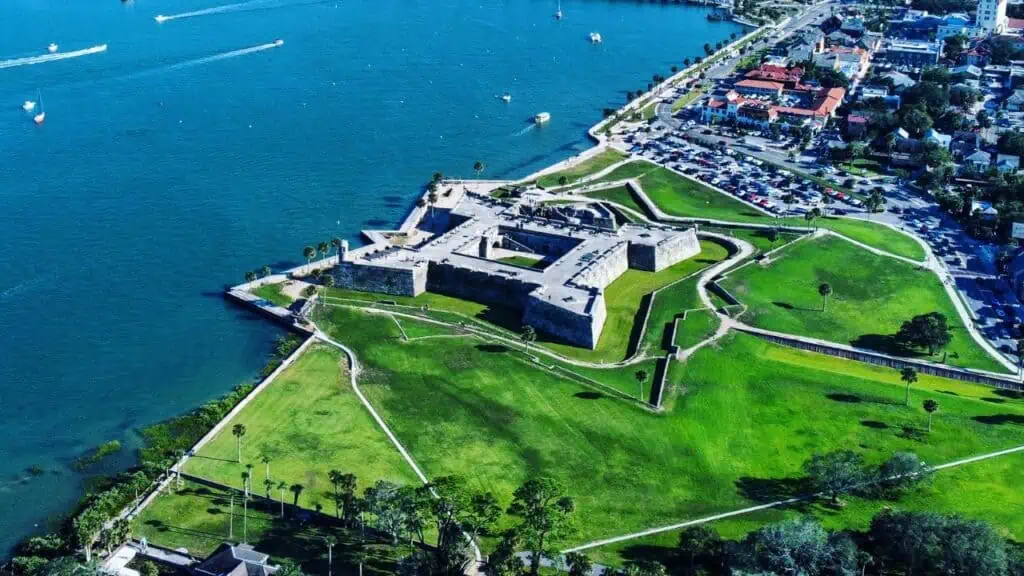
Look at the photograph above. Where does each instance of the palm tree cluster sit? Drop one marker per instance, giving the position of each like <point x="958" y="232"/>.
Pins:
<point x="252" y="275"/>
<point x="322" y="249"/>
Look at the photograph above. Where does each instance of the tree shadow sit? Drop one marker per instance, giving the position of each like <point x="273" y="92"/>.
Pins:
<point x="912" y="433"/>
<point x="763" y="490"/>
<point x="874" y="424"/>
<point x="881" y="342"/>
<point x="950" y="392"/>
<point x="1000" y="419"/>
<point x="588" y="395"/>
<point x="664" y="555"/>
<point x="492" y="348"/>
<point x="784" y="305"/>
<point x="1011" y="394"/>
<point x="845" y="398"/>
<point x="994" y="400"/>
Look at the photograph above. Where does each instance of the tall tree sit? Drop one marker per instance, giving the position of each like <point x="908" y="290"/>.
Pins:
<point x="909" y="376"/>
<point x="238" y="430"/>
<point x="282" y="486"/>
<point x="266" y="271"/>
<point x="641" y="378"/>
<point x="825" y="290"/>
<point x="930" y="406"/>
<point x="579" y="564"/>
<point x="930" y="331"/>
<point x="835" y="473"/>
<point x="330" y="542"/>
<point x="481" y="515"/>
<point x="296" y="490"/>
<point x="266" y="462"/>
<point x="527" y="335"/>
<point x="309" y="252"/>
<point x="250" y="276"/>
<point x="323" y="249"/>
<point x="335" y="476"/>
<point x="545" y="514"/>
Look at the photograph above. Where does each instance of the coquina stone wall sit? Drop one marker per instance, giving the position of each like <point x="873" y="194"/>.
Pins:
<point x="539" y="242"/>
<point x="657" y="256"/>
<point x="580" y="329"/>
<point x="478" y="285"/>
<point x="411" y="281"/>
<point x="604" y="268"/>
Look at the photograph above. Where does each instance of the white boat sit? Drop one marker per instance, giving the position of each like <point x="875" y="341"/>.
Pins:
<point x="39" y="118"/>
<point x="506" y="97"/>
<point x="160" y="18"/>
<point x="558" y="13"/>
<point x="541" y="118"/>
<point x="278" y="42"/>
<point x="52" y="47"/>
<point x="595" y="38"/>
<point x="28" y="106"/>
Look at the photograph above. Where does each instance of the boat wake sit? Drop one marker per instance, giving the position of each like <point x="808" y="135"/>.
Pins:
<point x="251" y="5"/>
<point x="525" y="130"/>
<point x="30" y="60"/>
<point x="223" y="56"/>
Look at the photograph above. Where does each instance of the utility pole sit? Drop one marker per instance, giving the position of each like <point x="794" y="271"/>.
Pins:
<point x="245" y="520"/>
<point x="231" y="522"/>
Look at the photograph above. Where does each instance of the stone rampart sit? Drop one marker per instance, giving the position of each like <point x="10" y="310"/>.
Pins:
<point x="656" y="256"/>
<point x="580" y="329"/>
<point x="396" y="281"/>
<point x="604" y="268"/>
<point x="478" y="285"/>
<point x="539" y="242"/>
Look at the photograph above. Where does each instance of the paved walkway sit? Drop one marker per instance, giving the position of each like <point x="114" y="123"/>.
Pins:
<point x="776" y="504"/>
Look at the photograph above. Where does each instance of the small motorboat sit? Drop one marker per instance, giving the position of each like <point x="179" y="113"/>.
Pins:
<point x="595" y="38"/>
<point x="52" y="47"/>
<point x="160" y="18"/>
<point x="558" y="13"/>
<point x="28" y="106"/>
<point x="278" y="42"/>
<point x="541" y="118"/>
<point x="506" y="97"/>
<point x="41" y="117"/>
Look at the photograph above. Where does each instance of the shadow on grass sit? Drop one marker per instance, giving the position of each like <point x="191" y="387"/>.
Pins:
<point x="845" y="398"/>
<point x="874" y="424"/>
<point x="1011" y="394"/>
<point x="994" y="400"/>
<point x="912" y="433"/>
<point x="588" y="395"/>
<point x="764" y="490"/>
<point x="1000" y="419"/>
<point x="668" y="557"/>
<point x="492" y="348"/>
<point x="197" y="456"/>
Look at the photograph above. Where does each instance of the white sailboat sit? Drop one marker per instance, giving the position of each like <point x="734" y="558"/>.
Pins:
<point x="41" y="117"/>
<point x="558" y="13"/>
<point x="52" y="47"/>
<point x="28" y="106"/>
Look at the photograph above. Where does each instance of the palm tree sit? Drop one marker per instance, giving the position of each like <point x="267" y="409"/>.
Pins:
<point x="432" y="199"/>
<point x="478" y="167"/>
<point x="266" y="271"/>
<point x="641" y="377"/>
<point x="335" y="477"/>
<point x="268" y="485"/>
<point x="296" y="489"/>
<point x="707" y="49"/>
<point x="825" y="290"/>
<point x="308" y="252"/>
<point x="245" y="484"/>
<point x="931" y="407"/>
<point x="282" y="486"/>
<point x="238" y="430"/>
<point x="686" y="62"/>
<point x="250" y="276"/>
<point x="323" y="248"/>
<point x="266" y="461"/>
<point x="827" y="201"/>
<point x="527" y="335"/>
<point x="437" y="177"/>
<point x="909" y="376"/>
<point x="330" y="542"/>
<point x="890" y="144"/>
<point x="248" y="468"/>
<point x="337" y="243"/>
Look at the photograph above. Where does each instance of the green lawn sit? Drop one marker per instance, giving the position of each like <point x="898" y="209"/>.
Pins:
<point x="619" y="195"/>
<point x="740" y="420"/>
<point x="525" y="261"/>
<point x="596" y="163"/>
<point x="197" y="517"/>
<point x="273" y="293"/>
<point x="698" y="326"/>
<point x="876" y="236"/>
<point x="669" y="303"/>
<point x="872" y="296"/>
<point x="308" y="422"/>
<point x="686" y="100"/>
<point x="862" y="167"/>
<point x="623" y="299"/>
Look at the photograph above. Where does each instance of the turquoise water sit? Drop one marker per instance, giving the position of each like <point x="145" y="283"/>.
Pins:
<point x="170" y="164"/>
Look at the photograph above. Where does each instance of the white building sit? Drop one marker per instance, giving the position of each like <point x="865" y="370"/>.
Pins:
<point x="992" y="16"/>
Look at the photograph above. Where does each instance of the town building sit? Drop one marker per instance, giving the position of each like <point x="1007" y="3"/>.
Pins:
<point x="235" y="560"/>
<point x="992" y="16"/>
<point x="979" y="161"/>
<point x="1007" y="163"/>
<point x="803" y="107"/>
<point x="916" y="54"/>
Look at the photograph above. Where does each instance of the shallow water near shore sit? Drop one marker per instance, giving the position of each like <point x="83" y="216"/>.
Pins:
<point x="196" y="149"/>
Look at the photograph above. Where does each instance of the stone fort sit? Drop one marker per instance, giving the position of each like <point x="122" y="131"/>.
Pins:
<point x="504" y="253"/>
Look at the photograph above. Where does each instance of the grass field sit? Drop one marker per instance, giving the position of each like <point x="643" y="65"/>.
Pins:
<point x="741" y="419"/>
<point x="623" y="300"/>
<point x="593" y="164"/>
<point x="525" y="261"/>
<point x="619" y="195"/>
<point x="669" y="303"/>
<point x="686" y="100"/>
<point x="696" y="327"/>
<point x="308" y="422"/>
<point x="872" y="296"/>
<point x="876" y="236"/>
<point x="197" y="517"/>
<point x="273" y="293"/>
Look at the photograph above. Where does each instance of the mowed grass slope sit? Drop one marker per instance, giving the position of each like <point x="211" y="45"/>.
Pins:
<point x="197" y="518"/>
<point x="595" y="163"/>
<point x="872" y="296"/>
<point x="750" y="416"/>
<point x="308" y="422"/>
<point x="877" y="236"/>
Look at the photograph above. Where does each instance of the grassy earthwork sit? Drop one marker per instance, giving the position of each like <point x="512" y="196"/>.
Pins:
<point x="197" y="518"/>
<point x="595" y="163"/>
<point x="525" y="261"/>
<point x="872" y="296"/>
<point x="273" y="293"/>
